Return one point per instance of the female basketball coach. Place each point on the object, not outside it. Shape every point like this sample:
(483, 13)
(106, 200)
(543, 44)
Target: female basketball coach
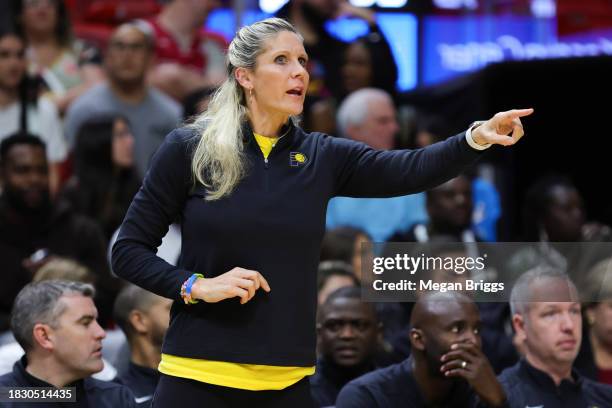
(251, 189)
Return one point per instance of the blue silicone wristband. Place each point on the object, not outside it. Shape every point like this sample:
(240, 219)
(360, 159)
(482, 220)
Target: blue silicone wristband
(190, 282)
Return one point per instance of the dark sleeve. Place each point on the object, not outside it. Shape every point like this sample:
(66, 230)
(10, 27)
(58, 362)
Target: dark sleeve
(597, 394)
(8, 380)
(479, 404)
(156, 205)
(355, 396)
(126, 398)
(364, 172)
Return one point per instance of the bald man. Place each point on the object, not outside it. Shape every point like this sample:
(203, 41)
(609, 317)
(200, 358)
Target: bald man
(447, 367)
(348, 333)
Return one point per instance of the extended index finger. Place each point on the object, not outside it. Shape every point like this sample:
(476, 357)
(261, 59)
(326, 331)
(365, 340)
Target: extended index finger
(519, 113)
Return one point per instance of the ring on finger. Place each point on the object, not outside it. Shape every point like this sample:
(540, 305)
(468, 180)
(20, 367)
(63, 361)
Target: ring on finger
(464, 364)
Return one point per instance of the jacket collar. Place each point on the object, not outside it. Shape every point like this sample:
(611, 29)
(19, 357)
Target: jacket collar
(27, 379)
(286, 136)
(545, 382)
(143, 372)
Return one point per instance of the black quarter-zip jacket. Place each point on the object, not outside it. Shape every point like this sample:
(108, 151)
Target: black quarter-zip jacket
(273, 222)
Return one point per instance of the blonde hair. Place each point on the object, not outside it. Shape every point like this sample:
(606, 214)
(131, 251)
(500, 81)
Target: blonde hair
(218, 161)
(64, 269)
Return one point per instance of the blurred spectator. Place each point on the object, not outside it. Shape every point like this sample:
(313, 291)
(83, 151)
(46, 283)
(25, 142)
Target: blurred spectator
(431, 129)
(143, 316)
(150, 113)
(487, 205)
(449, 207)
(188, 57)
(547, 319)
(67, 67)
(348, 337)
(55, 323)
(554, 212)
(60, 268)
(333, 275)
(595, 358)
(196, 103)
(368, 116)
(369, 63)
(33, 227)
(446, 369)
(346, 244)
(22, 110)
(553, 215)
(105, 178)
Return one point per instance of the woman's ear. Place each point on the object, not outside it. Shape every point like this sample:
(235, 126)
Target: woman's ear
(244, 78)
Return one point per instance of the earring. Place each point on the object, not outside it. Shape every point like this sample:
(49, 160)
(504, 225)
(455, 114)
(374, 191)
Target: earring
(251, 92)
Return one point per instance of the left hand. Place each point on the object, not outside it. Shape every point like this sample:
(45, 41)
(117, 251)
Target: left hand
(476, 370)
(504, 128)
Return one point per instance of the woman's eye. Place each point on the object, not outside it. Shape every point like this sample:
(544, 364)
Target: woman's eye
(281, 59)
(303, 61)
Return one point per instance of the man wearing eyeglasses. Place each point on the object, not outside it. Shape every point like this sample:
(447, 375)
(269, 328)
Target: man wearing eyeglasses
(348, 333)
(151, 114)
(447, 368)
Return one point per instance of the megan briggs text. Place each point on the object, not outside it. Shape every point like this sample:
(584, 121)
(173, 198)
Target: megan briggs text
(428, 285)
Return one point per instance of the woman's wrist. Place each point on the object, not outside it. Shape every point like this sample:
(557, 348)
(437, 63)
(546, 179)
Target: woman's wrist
(190, 289)
(198, 290)
(475, 138)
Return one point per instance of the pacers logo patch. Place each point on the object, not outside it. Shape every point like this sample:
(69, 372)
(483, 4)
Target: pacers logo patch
(297, 159)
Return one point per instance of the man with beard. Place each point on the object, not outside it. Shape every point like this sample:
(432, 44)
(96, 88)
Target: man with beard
(33, 227)
(348, 333)
(150, 113)
(548, 321)
(446, 369)
(143, 316)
